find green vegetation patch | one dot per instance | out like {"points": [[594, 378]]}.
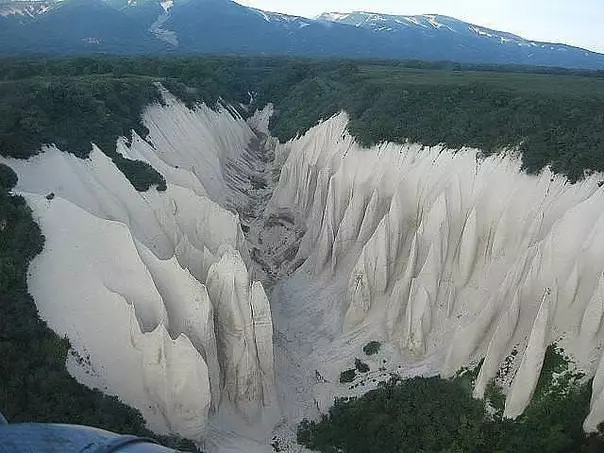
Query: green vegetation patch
{"points": [[430, 415], [140, 174], [348, 376], [360, 366], [495, 397], [439, 415], [372, 348], [466, 376], [8, 178], [557, 374]]}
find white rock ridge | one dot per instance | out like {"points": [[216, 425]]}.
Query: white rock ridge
{"points": [[444, 254], [152, 288]]}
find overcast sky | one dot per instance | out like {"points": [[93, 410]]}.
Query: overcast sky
{"points": [[576, 22]]}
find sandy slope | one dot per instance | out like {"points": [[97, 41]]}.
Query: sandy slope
{"points": [[152, 288], [445, 257]]}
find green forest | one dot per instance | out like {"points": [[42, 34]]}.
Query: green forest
{"points": [[555, 117], [555, 120], [435, 415]]}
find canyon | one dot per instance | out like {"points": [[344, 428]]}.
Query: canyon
{"points": [[226, 307]]}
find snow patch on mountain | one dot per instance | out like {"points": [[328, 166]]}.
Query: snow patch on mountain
{"points": [[333, 17], [167, 4], [157, 27], [28, 9], [431, 23]]}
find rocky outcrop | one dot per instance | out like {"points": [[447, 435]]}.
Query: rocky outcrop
{"points": [[446, 257], [152, 288], [452, 255]]}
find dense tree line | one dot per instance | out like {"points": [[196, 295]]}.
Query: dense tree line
{"points": [[434, 415], [554, 116], [555, 120], [440, 415]]}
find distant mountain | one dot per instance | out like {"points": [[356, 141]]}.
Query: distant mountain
{"points": [[73, 27], [223, 26], [440, 37]]}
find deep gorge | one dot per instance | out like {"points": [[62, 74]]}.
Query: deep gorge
{"points": [[225, 307]]}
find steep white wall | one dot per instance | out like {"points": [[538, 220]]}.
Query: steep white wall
{"points": [[245, 348], [91, 284], [152, 288], [448, 256], [445, 257], [199, 141]]}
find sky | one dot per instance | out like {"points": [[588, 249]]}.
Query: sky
{"points": [[575, 22]]}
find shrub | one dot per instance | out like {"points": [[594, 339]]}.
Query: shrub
{"points": [[360, 366], [140, 174], [429, 415], [496, 398], [8, 178], [347, 376], [371, 348]]}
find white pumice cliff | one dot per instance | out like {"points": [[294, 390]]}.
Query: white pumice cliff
{"points": [[445, 257], [449, 257], [152, 288]]}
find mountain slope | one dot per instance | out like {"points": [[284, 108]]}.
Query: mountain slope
{"points": [[77, 26], [216, 26], [446, 36], [223, 26]]}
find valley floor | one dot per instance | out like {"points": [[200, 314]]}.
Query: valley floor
{"points": [[273, 241], [309, 351]]}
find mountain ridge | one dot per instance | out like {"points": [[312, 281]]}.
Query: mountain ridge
{"points": [[432, 19], [224, 26]]}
